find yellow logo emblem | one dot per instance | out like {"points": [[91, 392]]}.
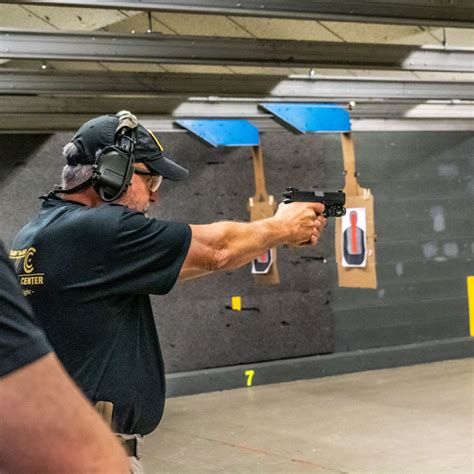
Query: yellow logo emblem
{"points": [[23, 262]]}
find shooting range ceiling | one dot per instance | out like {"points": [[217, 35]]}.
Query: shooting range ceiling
{"points": [[179, 59]]}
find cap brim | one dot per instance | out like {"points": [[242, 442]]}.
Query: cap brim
{"points": [[167, 168]]}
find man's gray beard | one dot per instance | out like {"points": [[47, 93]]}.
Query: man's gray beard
{"points": [[129, 200]]}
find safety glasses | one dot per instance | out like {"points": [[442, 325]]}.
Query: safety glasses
{"points": [[153, 180]]}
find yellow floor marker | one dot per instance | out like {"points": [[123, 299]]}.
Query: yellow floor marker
{"points": [[470, 303], [249, 374], [236, 303]]}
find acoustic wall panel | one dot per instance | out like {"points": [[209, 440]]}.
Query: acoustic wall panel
{"points": [[197, 325], [288, 320]]}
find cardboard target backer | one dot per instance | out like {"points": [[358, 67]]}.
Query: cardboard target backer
{"points": [[262, 206], [355, 233], [358, 276]]}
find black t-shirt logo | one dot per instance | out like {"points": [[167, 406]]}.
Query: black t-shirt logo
{"points": [[23, 262]]}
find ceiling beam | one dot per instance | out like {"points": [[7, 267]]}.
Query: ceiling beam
{"points": [[51, 123], [454, 13], [15, 81], [154, 48], [219, 108]]}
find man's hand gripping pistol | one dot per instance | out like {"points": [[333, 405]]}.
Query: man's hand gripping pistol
{"points": [[334, 202]]}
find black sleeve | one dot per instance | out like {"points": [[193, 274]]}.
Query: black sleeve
{"points": [[21, 339], [148, 254]]}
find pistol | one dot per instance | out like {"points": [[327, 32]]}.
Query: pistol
{"points": [[334, 202]]}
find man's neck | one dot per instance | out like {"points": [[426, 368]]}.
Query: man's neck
{"points": [[88, 198]]}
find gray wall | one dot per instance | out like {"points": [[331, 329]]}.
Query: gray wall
{"points": [[424, 194], [423, 186]]}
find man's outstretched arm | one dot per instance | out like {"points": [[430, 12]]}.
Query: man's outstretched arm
{"points": [[229, 245]]}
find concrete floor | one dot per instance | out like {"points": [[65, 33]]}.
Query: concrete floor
{"points": [[415, 419]]}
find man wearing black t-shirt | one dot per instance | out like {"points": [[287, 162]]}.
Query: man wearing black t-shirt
{"points": [[46, 424], [89, 260]]}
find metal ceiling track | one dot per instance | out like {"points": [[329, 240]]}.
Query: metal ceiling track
{"points": [[155, 48], [310, 88], [69, 122], [454, 13], [219, 107], [23, 114]]}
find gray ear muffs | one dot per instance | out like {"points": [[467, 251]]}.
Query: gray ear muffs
{"points": [[112, 171]]}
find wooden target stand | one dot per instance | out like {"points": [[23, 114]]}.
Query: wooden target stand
{"points": [[356, 197], [261, 206]]}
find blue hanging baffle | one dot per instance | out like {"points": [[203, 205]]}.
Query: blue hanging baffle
{"points": [[228, 132], [315, 118]]}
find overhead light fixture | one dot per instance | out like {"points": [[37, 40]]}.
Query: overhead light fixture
{"points": [[150, 24]]}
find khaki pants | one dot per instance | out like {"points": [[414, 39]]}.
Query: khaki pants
{"points": [[132, 443], [130, 440]]}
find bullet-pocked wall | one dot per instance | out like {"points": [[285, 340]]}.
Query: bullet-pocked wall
{"points": [[291, 319], [197, 325], [423, 186]]}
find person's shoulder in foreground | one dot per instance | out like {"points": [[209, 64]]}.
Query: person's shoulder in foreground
{"points": [[46, 423]]}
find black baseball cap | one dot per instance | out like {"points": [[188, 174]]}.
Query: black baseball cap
{"points": [[100, 132]]}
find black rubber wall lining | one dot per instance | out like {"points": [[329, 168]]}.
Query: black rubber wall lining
{"points": [[197, 325], [423, 185]]}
